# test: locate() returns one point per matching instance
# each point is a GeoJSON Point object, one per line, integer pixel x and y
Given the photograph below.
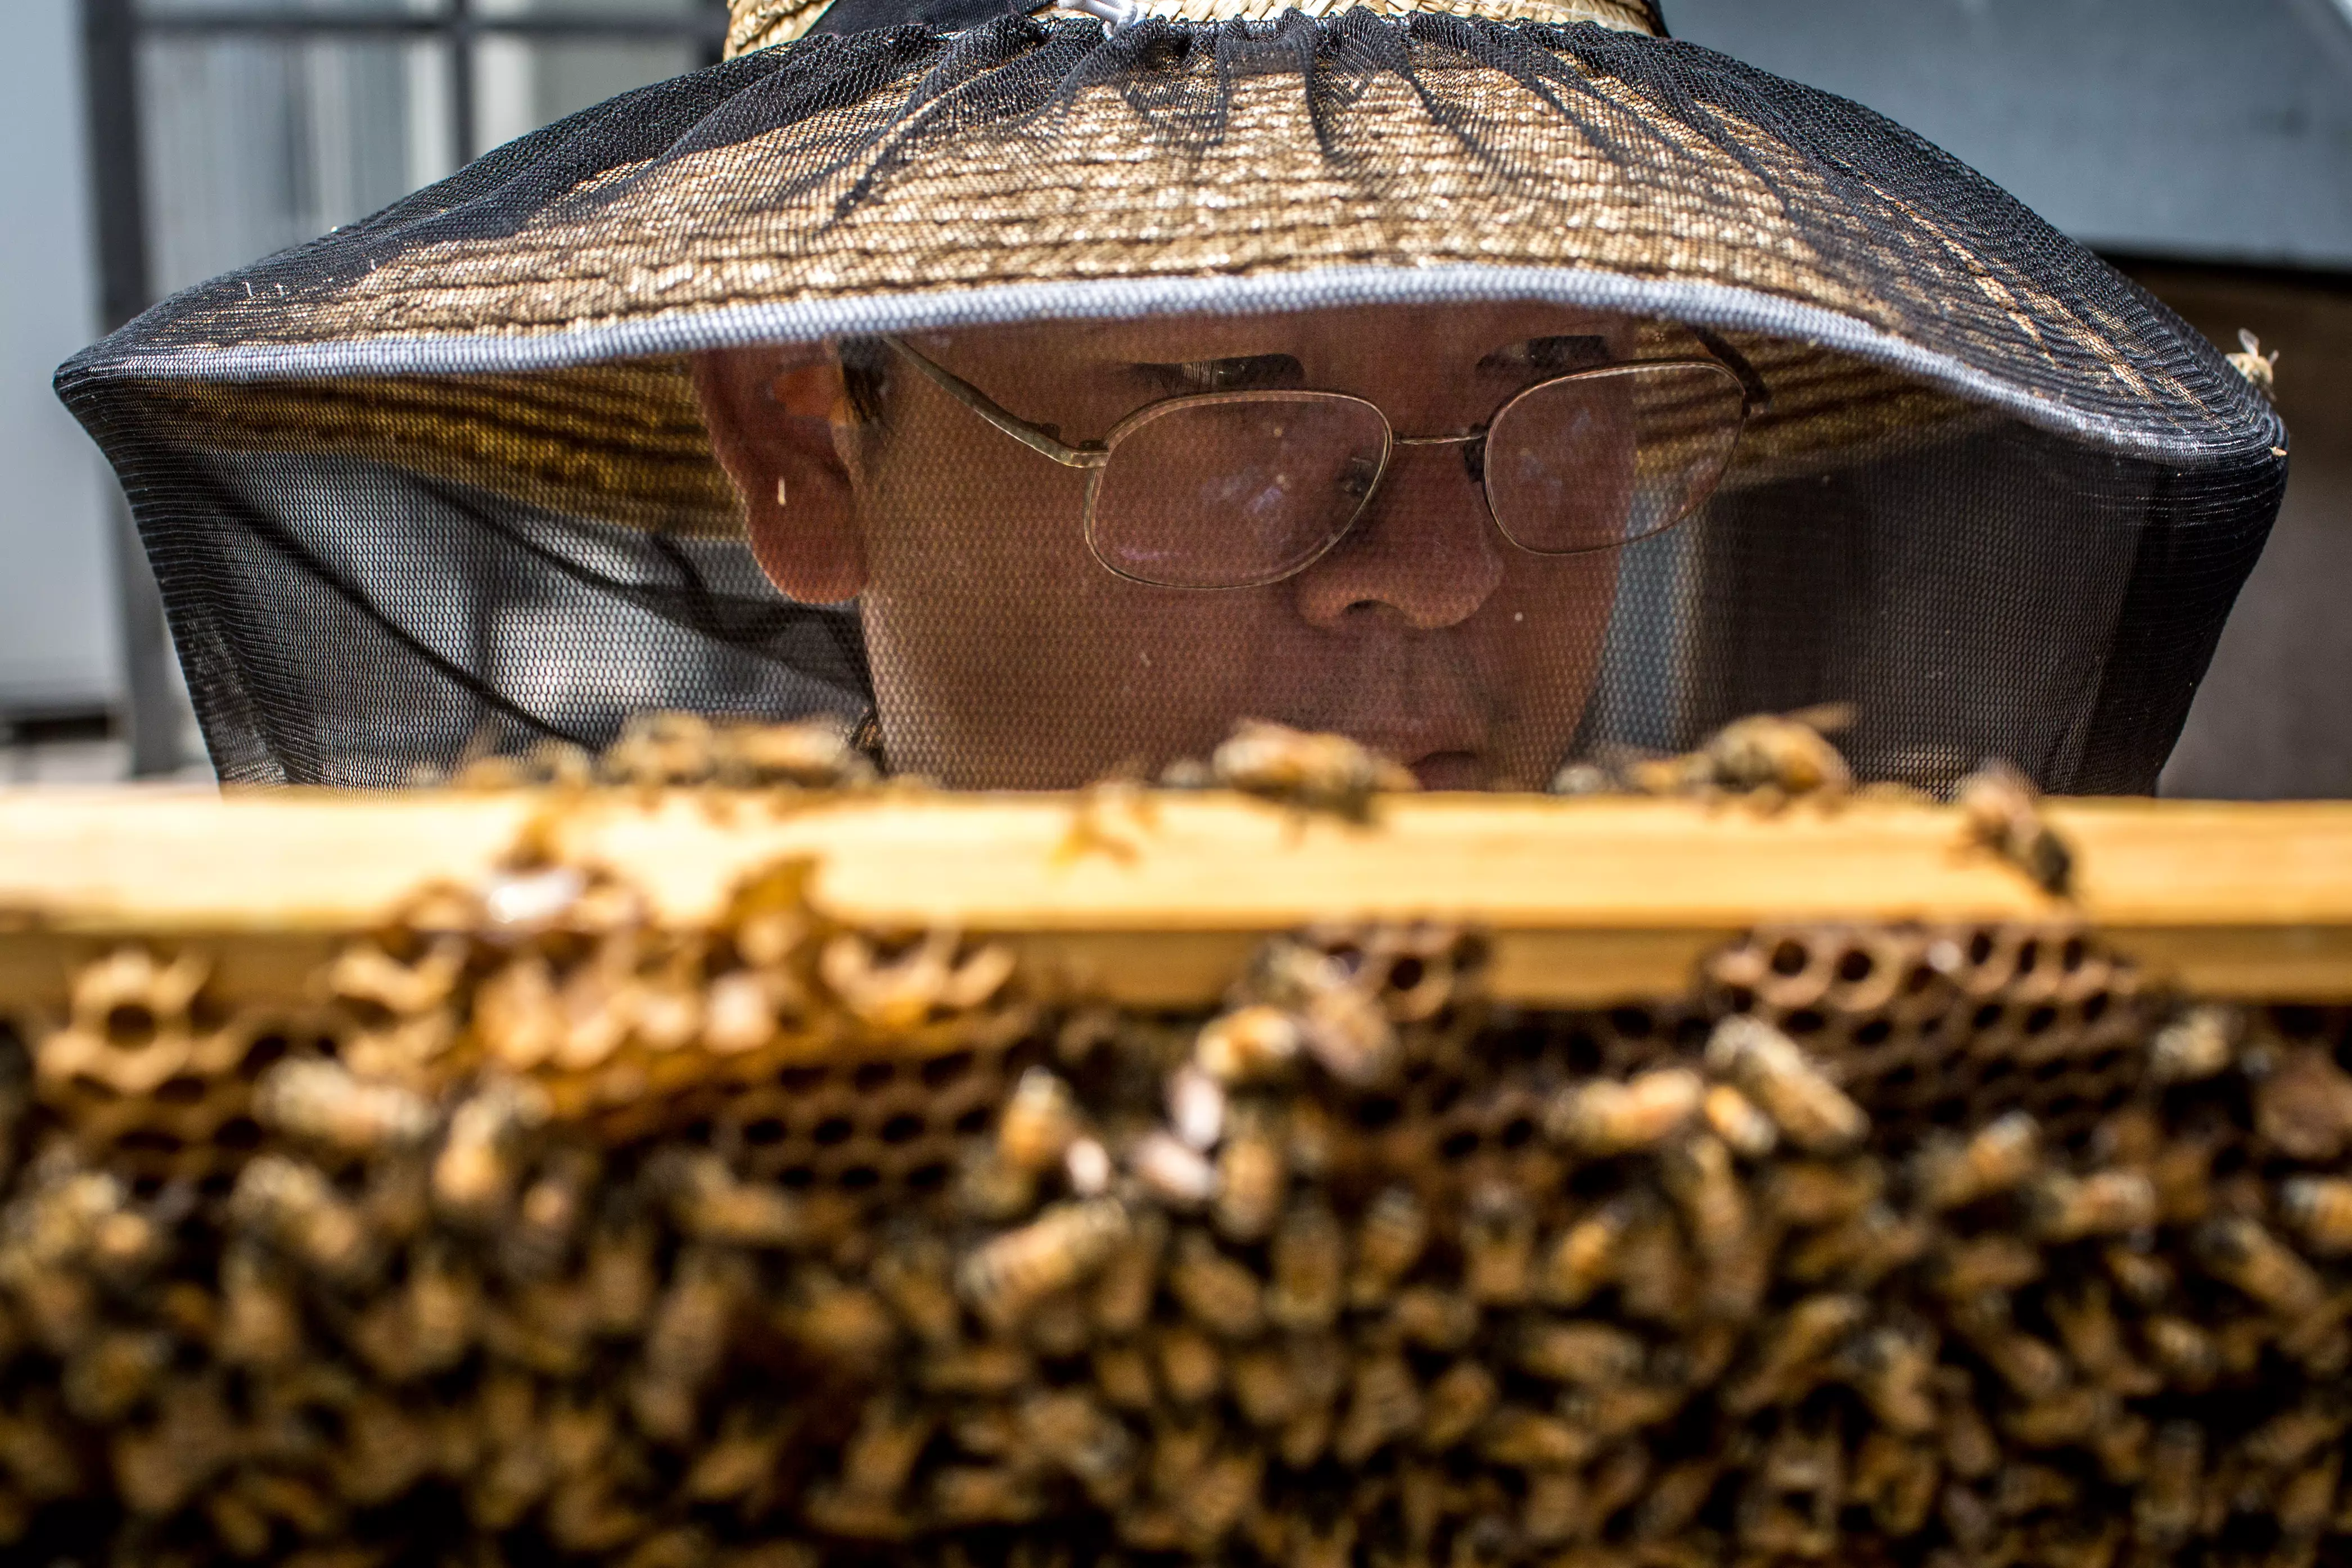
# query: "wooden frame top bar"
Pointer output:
{"type": "Point", "coordinates": [1155, 898]}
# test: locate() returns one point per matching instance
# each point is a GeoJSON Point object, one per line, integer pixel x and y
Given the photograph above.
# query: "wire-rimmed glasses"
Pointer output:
{"type": "Point", "coordinates": [1240, 489]}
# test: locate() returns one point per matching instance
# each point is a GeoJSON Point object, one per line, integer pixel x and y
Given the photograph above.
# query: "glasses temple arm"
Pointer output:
{"type": "Point", "coordinates": [1759, 395]}
{"type": "Point", "coordinates": [981, 404]}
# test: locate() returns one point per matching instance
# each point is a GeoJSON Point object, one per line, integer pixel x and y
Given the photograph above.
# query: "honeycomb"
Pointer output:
{"type": "Point", "coordinates": [539, 1232]}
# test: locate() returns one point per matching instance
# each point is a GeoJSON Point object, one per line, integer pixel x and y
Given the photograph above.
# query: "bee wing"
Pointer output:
{"type": "Point", "coordinates": [2248, 342]}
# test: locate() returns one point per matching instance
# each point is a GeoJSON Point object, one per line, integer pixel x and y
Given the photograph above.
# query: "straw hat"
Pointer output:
{"type": "Point", "coordinates": [523, 331]}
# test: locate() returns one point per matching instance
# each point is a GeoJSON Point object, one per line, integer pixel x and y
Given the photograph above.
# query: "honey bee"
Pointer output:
{"type": "Point", "coordinates": [2306, 1505]}
{"type": "Point", "coordinates": [1894, 1371]}
{"type": "Point", "coordinates": [1676, 1498]}
{"type": "Point", "coordinates": [2086, 1323]}
{"type": "Point", "coordinates": [1785, 754]}
{"type": "Point", "coordinates": [977, 1370]}
{"type": "Point", "coordinates": [880, 1456]}
{"type": "Point", "coordinates": [1175, 1173]}
{"type": "Point", "coordinates": [1266, 1389]}
{"type": "Point", "coordinates": [474, 1175]}
{"type": "Point", "coordinates": [2068, 1417]}
{"type": "Point", "coordinates": [260, 1319]}
{"type": "Point", "coordinates": [1583, 1258]}
{"type": "Point", "coordinates": [1250, 1044]}
{"type": "Point", "coordinates": [2031, 1367]}
{"type": "Point", "coordinates": [2166, 1506]}
{"type": "Point", "coordinates": [1697, 1173]}
{"type": "Point", "coordinates": [1499, 1240]}
{"type": "Point", "coordinates": [710, 1205]}
{"type": "Point", "coordinates": [113, 1371]}
{"type": "Point", "coordinates": [1057, 1250]}
{"type": "Point", "coordinates": [1221, 1495]}
{"type": "Point", "coordinates": [818, 753]}
{"type": "Point", "coordinates": [839, 1324]}
{"type": "Point", "coordinates": [1069, 1431]}
{"type": "Point", "coordinates": [1123, 1374]}
{"type": "Point", "coordinates": [1793, 1347]}
{"type": "Point", "coordinates": [915, 1274]}
{"type": "Point", "coordinates": [1389, 1242]}
{"type": "Point", "coordinates": [2293, 1435]}
{"type": "Point", "coordinates": [1383, 1405]}
{"type": "Point", "coordinates": [1735, 1119]}
{"type": "Point", "coordinates": [2062, 1207]}
{"type": "Point", "coordinates": [2303, 1106]}
{"type": "Point", "coordinates": [985, 1494]}
{"type": "Point", "coordinates": [1601, 1117]}
{"type": "Point", "coordinates": [1319, 1543]}
{"type": "Point", "coordinates": [1191, 1368]}
{"type": "Point", "coordinates": [1808, 1193]}
{"type": "Point", "coordinates": [1971, 1451]}
{"type": "Point", "coordinates": [2144, 1279]}
{"type": "Point", "coordinates": [1458, 1399]}
{"type": "Point", "coordinates": [618, 1279]}
{"type": "Point", "coordinates": [291, 1205]}
{"type": "Point", "coordinates": [1039, 1122]}
{"type": "Point", "coordinates": [1897, 1480]}
{"type": "Point", "coordinates": [1433, 1319]}
{"type": "Point", "coordinates": [1221, 1295]}
{"type": "Point", "coordinates": [2240, 1252]}
{"type": "Point", "coordinates": [2002, 812]}
{"type": "Point", "coordinates": [2199, 1044]}
{"type": "Point", "coordinates": [1253, 1177]}
{"type": "Point", "coordinates": [1965, 1271]}
{"type": "Point", "coordinates": [1522, 1439]}
{"type": "Point", "coordinates": [1773, 1071]}
{"type": "Point", "coordinates": [1860, 1252]}
{"type": "Point", "coordinates": [1309, 1259]}
{"type": "Point", "coordinates": [1123, 1294]}
{"type": "Point", "coordinates": [1313, 772]}
{"type": "Point", "coordinates": [1196, 1104]}
{"type": "Point", "coordinates": [1654, 1278]}
{"type": "Point", "coordinates": [1583, 1352]}
{"type": "Point", "coordinates": [321, 1102]}
{"type": "Point", "coordinates": [1951, 1173]}
{"type": "Point", "coordinates": [2260, 369]}
{"type": "Point", "coordinates": [2181, 1350]}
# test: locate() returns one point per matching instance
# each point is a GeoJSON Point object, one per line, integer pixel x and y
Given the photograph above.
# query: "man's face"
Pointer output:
{"type": "Point", "coordinates": [1006, 654]}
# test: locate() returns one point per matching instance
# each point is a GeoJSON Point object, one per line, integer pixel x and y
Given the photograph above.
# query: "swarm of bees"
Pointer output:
{"type": "Point", "coordinates": [674, 748]}
{"type": "Point", "coordinates": [555, 1234]}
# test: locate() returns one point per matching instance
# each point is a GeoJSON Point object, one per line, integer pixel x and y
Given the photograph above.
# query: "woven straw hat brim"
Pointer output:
{"type": "Point", "coordinates": [1028, 169]}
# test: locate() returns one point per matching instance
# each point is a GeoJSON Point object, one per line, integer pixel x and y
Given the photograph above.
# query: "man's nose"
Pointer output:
{"type": "Point", "coordinates": [1424, 550]}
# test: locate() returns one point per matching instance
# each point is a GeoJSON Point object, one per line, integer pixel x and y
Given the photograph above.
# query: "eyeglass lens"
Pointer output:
{"type": "Point", "coordinates": [1243, 488]}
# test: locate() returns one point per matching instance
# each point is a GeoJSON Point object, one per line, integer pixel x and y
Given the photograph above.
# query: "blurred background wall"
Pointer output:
{"type": "Point", "coordinates": [2206, 148]}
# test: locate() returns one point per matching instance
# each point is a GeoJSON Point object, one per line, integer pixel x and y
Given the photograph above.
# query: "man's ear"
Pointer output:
{"type": "Point", "coordinates": [772, 414]}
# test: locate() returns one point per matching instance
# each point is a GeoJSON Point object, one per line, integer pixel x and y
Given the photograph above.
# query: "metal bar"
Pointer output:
{"type": "Point", "coordinates": [458, 26]}
{"type": "Point", "coordinates": [694, 27]}
{"type": "Point", "coordinates": [153, 715]}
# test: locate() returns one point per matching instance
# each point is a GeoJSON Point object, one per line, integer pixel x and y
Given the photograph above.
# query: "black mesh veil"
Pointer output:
{"type": "Point", "coordinates": [454, 467]}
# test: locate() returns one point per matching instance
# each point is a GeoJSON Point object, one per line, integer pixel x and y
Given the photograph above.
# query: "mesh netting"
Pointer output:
{"type": "Point", "coordinates": [448, 475]}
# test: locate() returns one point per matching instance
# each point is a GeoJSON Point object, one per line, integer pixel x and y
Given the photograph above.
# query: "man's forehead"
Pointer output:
{"type": "Point", "coordinates": [1471, 329]}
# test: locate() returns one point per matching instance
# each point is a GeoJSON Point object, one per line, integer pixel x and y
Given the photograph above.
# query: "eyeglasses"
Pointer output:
{"type": "Point", "coordinates": [1240, 489]}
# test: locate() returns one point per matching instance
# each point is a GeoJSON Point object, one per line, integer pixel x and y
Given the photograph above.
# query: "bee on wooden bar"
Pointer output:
{"type": "Point", "coordinates": [1787, 754]}
{"type": "Point", "coordinates": [1774, 1070]}
{"type": "Point", "coordinates": [2002, 813]}
{"type": "Point", "coordinates": [1601, 1117]}
{"type": "Point", "coordinates": [1314, 772]}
